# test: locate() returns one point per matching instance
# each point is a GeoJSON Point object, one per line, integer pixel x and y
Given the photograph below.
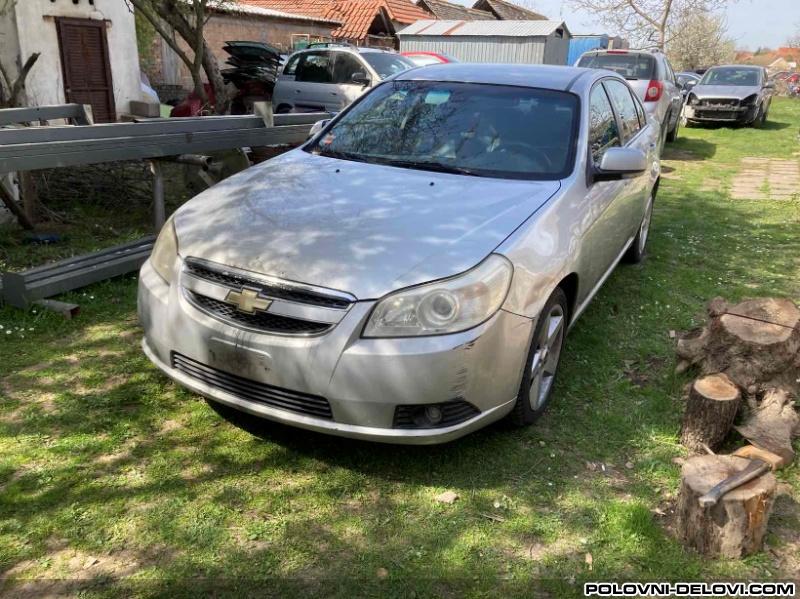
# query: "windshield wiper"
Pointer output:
{"type": "Point", "coordinates": [436, 167]}
{"type": "Point", "coordinates": [339, 154]}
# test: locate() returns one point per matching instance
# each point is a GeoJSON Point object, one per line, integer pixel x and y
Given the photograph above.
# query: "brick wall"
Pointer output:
{"type": "Point", "coordinates": [168, 69]}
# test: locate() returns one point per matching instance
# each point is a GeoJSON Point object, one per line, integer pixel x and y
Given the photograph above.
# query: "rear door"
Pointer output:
{"type": "Point", "coordinates": [86, 66]}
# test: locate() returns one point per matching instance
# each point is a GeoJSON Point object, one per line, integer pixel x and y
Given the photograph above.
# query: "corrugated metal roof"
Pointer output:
{"type": "Point", "coordinates": [485, 28]}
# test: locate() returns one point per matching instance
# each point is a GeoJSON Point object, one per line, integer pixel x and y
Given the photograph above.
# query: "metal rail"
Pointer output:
{"type": "Point", "coordinates": [80, 114]}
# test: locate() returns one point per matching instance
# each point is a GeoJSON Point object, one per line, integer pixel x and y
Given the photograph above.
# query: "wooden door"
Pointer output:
{"type": "Point", "coordinates": [86, 67]}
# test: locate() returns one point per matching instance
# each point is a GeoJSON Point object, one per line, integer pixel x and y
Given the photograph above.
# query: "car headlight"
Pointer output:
{"type": "Point", "coordinates": [447, 306]}
{"type": "Point", "coordinates": [750, 100]}
{"type": "Point", "coordinates": [693, 101]}
{"type": "Point", "coordinates": [165, 251]}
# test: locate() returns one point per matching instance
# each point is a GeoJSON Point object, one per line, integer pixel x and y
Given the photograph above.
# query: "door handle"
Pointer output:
{"type": "Point", "coordinates": [334, 94]}
{"type": "Point", "coordinates": [297, 91]}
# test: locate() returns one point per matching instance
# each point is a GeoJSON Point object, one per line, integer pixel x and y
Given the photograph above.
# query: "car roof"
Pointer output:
{"type": "Point", "coordinates": [622, 52]}
{"type": "Point", "coordinates": [524, 75]}
{"type": "Point", "coordinates": [744, 67]}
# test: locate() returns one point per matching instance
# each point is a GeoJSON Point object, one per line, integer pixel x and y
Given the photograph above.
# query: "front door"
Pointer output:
{"type": "Point", "coordinates": [86, 67]}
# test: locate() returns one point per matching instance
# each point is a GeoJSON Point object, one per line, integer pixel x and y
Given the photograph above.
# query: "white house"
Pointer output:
{"type": "Point", "coordinates": [88, 52]}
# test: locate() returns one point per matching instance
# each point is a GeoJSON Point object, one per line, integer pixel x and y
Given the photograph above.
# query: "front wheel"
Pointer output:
{"type": "Point", "coordinates": [673, 135]}
{"type": "Point", "coordinates": [637, 250]}
{"type": "Point", "coordinates": [761, 118]}
{"type": "Point", "coordinates": [542, 363]}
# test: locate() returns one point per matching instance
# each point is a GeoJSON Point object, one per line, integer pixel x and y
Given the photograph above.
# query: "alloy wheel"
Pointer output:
{"type": "Point", "coordinates": [546, 355]}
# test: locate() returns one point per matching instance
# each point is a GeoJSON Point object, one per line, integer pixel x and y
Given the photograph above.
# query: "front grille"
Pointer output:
{"type": "Point", "coordinates": [260, 321]}
{"type": "Point", "coordinates": [274, 397]}
{"type": "Point", "coordinates": [271, 290]}
{"type": "Point", "coordinates": [720, 103]}
{"type": "Point", "coordinates": [453, 412]}
{"type": "Point", "coordinates": [719, 115]}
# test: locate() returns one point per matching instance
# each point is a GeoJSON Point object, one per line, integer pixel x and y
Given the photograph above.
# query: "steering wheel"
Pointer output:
{"type": "Point", "coordinates": [527, 149]}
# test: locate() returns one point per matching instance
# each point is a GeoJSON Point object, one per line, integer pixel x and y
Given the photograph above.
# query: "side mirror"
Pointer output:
{"type": "Point", "coordinates": [620, 163]}
{"type": "Point", "coordinates": [690, 84]}
{"type": "Point", "coordinates": [317, 127]}
{"type": "Point", "coordinates": [361, 78]}
{"type": "Point", "coordinates": [770, 85]}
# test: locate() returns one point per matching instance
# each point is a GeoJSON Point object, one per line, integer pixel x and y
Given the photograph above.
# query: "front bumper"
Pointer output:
{"type": "Point", "coordinates": [703, 114]}
{"type": "Point", "coordinates": [363, 380]}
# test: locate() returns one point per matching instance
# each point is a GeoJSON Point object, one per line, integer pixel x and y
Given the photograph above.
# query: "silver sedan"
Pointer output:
{"type": "Point", "coordinates": [409, 274]}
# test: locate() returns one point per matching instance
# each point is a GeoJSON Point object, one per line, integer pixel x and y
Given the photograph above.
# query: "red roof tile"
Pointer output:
{"type": "Point", "coordinates": [356, 15]}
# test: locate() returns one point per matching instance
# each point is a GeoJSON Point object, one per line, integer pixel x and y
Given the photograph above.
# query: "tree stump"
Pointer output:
{"type": "Point", "coordinates": [755, 343]}
{"type": "Point", "coordinates": [735, 527]}
{"type": "Point", "coordinates": [710, 411]}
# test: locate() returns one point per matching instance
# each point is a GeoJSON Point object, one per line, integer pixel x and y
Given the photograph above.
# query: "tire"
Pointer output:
{"type": "Point", "coordinates": [673, 135]}
{"type": "Point", "coordinates": [663, 140]}
{"type": "Point", "coordinates": [638, 248]}
{"type": "Point", "coordinates": [283, 109]}
{"type": "Point", "coordinates": [761, 118]}
{"type": "Point", "coordinates": [554, 314]}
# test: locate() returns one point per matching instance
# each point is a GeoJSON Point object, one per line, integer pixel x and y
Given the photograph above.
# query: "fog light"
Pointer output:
{"type": "Point", "coordinates": [433, 414]}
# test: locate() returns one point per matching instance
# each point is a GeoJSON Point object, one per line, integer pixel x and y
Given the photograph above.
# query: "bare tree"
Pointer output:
{"type": "Point", "coordinates": [700, 39]}
{"type": "Point", "coordinates": [645, 22]}
{"type": "Point", "coordinates": [793, 41]}
{"type": "Point", "coordinates": [187, 19]}
{"type": "Point", "coordinates": [12, 77]}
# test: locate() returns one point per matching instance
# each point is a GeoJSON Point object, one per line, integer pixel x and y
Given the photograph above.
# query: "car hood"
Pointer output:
{"type": "Point", "coordinates": [736, 92]}
{"type": "Point", "coordinates": [361, 228]}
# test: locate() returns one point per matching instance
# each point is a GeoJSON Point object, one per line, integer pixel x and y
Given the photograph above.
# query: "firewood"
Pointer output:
{"type": "Point", "coordinates": [710, 411]}
{"type": "Point", "coordinates": [773, 425]}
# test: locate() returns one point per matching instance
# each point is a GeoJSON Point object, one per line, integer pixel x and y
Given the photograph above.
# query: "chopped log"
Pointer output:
{"type": "Point", "coordinates": [710, 411]}
{"type": "Point", "coordinates": [734, 527]}
{"type": "Point", "coordinates": [773, 425]}
{"type": "Point", "coordinates": [692, 345]}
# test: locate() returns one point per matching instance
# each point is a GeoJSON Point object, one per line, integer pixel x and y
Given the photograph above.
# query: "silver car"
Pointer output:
{"type": "Point", "coordinates": [734, 94]}
{"type": "Point", "coordinates": [330, 78]}
{"type": "Point", "coordinates": [650, 74]}
{"type": "Point", "coordinates": [410, 273]}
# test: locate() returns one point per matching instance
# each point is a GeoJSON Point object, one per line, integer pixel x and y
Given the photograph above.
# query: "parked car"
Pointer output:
{"type": "Point", "coordinates": [423, 59]}
{"type": "Point", "coordinates": [650, 74]}
{"type": "Point", "coordinates": [330, 78]}
{"type": "Point", "coordinates": [736, 94]}
{"type": "Point", "coordinates": [410, 273]}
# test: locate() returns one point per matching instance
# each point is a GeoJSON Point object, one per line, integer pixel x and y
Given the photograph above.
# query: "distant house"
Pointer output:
{"type": "Point", "coordinates": [782, 59]}
{"type": "Point", "coordinates": [506, 11]}
{"type": "Point", "coordinates": [522, 42]}
{"type": "Point", "coordinates": [237, 22]}
{"type": "Point", "coordinates": [482, 10]}
{"type": "Point", "coordinates": [88, 53]}
{"type": "Point", "coordinates": [363, 22]}
{"type": "Point", "coordinates": [447, 11]}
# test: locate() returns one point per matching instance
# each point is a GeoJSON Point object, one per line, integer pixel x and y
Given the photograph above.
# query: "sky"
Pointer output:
{"type": "Point", "coordinates": [752, 23]}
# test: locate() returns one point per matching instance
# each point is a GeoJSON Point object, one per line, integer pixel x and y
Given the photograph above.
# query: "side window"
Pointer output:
{"type": "Point", "coordinates": [603, 131]}
{"type": "Point", "coordinates": [291, 66]}
{"type": "Point", "coordinates": [626, 108]}
{"type": "Point", "coordinates": [670, 72]}
{"type": "Point", "coordinates": [345, 65]}
{"type": "Point", "coordinates": [315, 68]}
{"type": "Point", "coordinates": [640, 111]}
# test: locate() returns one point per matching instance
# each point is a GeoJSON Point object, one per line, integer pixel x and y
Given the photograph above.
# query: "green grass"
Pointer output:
{"type": "Point", "coordinates": [102, 458]}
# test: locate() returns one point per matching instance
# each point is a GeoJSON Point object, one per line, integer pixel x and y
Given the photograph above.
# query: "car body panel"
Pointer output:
{"type": "Point", "coordinates": [368, 229]}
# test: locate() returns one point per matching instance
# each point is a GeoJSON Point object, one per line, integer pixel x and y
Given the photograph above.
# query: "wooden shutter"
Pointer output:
{"type": "Point", "coordinates": [86, 66]}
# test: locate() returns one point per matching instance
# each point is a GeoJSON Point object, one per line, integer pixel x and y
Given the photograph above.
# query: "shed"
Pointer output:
{"type": "Point", "coordinates": [584, 43]}
{"type": "Point", "coordinates": [522, 42]}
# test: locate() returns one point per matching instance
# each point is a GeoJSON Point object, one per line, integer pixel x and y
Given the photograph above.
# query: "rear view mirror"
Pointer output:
{"type": "Point", "coordinates": [361, 78]}
{"type": "Point", "coordinates": [317, 127]}
{"type": "Point", "coordinates": [620, 163]}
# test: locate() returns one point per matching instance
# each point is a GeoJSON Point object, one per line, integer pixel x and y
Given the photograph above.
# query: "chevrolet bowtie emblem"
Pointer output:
{"type": "Point", "coordinates": [248, 301]}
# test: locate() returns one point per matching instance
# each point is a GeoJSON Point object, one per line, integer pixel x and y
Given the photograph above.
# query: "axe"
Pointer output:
{"type": "Point", "coordinates": [761, 461]}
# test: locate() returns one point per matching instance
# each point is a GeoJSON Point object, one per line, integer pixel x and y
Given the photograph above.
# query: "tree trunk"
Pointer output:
{"type": "Point", "coordinates": [710, 410]}
{"type": "Point", "coordinates": [773, 425]}
{"type": "Point", "coordinates": [735, 527]}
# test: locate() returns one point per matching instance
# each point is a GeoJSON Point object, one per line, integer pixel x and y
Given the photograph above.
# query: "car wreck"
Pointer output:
{"type": "Point", "coordinates": [730, 94]}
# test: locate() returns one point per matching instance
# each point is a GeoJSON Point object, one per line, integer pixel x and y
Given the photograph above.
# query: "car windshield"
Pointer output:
{"type": "Point", "coordinates": [730, 76]}
{"type": "Point", "coordinates": [630, 66]}
{"type": "Point", "coordinates": [386, 64]}
{"type": "Point", "coordinates": [464, 128]}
